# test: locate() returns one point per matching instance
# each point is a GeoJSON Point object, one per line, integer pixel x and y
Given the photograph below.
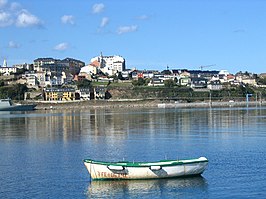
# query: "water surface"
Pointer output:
{"type": "Point", "coordinates": [41, 152]}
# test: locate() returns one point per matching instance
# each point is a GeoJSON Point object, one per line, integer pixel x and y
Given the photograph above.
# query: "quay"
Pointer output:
{"type": "Point", "coordinates": [136, 103]}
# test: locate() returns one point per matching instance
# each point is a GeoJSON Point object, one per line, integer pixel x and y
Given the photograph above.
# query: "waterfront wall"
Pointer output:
{"type": "Point", "coordinates": [212, 104]}
{"type": "Point", "coordinates": [140, 104]}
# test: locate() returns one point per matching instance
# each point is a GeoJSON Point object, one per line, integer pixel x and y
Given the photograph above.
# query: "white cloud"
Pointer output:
{"type": "Point", "coordinates": [127, 29]}
{"type": "Point", "coordinates": [68, 19]}
{"type": "Point", "coordinates": [61, 47]}
{"type": "Point", "coordinates": [3, 3]}
{"type": "Point", "coordinates": [143, 17]}
{"type": "Point", "coordinates": [97, 8]}
{"type": "Point", "coordinates": [12, 44]}
{"type": "Point", "coordinates": [13, 14]}
{"type": "Point", "coordinates": [104, 22]}
{"type": "Point", "coordinates": [15, 6]}
{"type": "Point", "coordinates": [5, 19]}
{"type": "Point", "coordinates": [26, 19]}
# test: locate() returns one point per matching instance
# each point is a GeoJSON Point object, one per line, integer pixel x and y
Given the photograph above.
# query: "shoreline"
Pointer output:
{"type": "Point", "coordinates": [44, 105]}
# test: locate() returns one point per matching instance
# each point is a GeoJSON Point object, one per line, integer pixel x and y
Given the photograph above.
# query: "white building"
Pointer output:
{"type": "Point", "coordinates": [92, 68]}
{"type": "Point", "coordinates": [7, 70]}
{"type": "Point", "coordinates": [110, 65]}
{"type": "Point", "coordinates": [24, 66]}
{"type": "Point", "coordinates": [31, 80]}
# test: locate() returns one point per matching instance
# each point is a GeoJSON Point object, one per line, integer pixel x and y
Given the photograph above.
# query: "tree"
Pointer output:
{"type": "Point", "coordinates": [2, 83]}
{"type": "Point", "coordinates": [13, 92]}
{"type": "Point", "coordinates": [139, 82]}
{"type": "Point", "coordinates": [84, 84]}
{"type": "Point", "coordinates": [169, 83]}
{"type": "Point", "coordinates": [120, 76]}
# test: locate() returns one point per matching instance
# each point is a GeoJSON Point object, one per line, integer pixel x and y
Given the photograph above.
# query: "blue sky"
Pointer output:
{"type": "Point", "coordinates": [149, 34]}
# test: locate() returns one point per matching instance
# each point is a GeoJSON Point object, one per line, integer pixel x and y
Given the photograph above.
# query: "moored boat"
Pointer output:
{"type": "Point", "coordinates": [145, 170]}
{"type": "Point", "coordinates": [7, 105]}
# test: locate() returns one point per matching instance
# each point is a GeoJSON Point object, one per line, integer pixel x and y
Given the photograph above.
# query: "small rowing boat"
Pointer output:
{"type": "Point", "coordinates": [145, 170]}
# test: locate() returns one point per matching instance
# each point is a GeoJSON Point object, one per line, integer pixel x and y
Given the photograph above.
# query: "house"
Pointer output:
{"type": "Point", "coordinates": [105, 79]}
{"type": "Point", "coordinates": [126, 74]}
{"type": "Point", "coordinates": [59, 94]}
{"type": "Point", "coordinates": [184, 81]}
{"type": "Point", "coordinates": [215, 85]}
{"type": "Point", "coordinates": [24, 66]}
{"type": "Point", "coordinates": [92, 68]}
{"type": "Point", "coordinates": [246, 78]}
{"type": "Point", "coordinates": [7, 70]}
{"type": "Point", "coordinates": [156, 82]}
{"type": "Point", "coordinates": [250, 81]}
{"type": "Point", "coordinates": [56, 80]}
{"type": "Point", "coordinates": [83, 94]}
{"type": "Point", "coordinates": [203, 74]}
{"type": "Point", "coordinates": [198, 83]}
{"type": "Point", "coordinates": [148, 74]}
{"type": "Point", "coordinates": [137, 74]}
{"type": "Point", "coordinates": [99, 92]}
{"type": "Point", "coordinates": [67, 77]}
{"type": "Point", "coordinates": [31, 80]}
{"type": "Point", "coordinates": [262, 75]}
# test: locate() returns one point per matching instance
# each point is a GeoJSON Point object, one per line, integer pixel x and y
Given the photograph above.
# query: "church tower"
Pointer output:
{"type": "Point", "coordinates": [5, 63]}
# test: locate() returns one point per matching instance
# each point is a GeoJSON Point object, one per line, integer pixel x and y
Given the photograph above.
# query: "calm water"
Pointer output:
{"type": "Point", "coordinates": [41, 152]}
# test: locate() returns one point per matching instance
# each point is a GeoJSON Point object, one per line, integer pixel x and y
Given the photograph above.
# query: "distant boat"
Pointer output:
{"type": "Point", "coordinates": [7, 105]}
{"type": "Point", "coordinates": [145, 170]}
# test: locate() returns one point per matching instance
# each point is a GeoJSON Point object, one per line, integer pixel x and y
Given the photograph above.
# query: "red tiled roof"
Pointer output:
{"type": "Point", "coordinates": [95, 63]}
{"type": "Point", "coordinates": [230, 76]}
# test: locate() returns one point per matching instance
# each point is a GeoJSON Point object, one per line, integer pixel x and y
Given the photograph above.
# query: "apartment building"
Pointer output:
{"type": "Point", "coordinates": [110, 65]}
{"type": "Point", "coordinates": [58, 66]}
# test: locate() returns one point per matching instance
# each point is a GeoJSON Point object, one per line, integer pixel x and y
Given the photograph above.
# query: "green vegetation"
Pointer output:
{"type": "Point", "coordinates": [170, 91]}
{"type": "Point", "coordinates": [83, 84]}
{"type": "Point", "coordinates": [261, 81]}
{"type": "Point", "coordinates": [169, 83]}
{"type": "Point", "coordinates": [15, 92]}
{"type": "Point", "coordinates": [140, 82]}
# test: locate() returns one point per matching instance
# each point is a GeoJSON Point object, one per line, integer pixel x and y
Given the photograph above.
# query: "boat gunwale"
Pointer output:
{"type": "Point", "coordinates": [161, 163]}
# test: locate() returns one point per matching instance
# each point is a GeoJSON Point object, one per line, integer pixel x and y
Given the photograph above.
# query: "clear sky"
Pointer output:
{"type": "Point", "coordinates": [149, 34]}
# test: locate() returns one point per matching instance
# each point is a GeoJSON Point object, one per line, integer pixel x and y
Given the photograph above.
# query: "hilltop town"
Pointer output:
{"type": "Point", "coordinates": [107, 78]}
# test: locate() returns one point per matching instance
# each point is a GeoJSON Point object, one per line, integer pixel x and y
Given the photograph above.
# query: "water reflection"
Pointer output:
{"type": "Point", "coordinates": [135, 188]}
{"type": "Point", "coordinates": [114, 123]}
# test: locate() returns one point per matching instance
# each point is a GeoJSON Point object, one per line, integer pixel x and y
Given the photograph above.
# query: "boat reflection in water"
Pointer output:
{"type": "Point", "coordinates": [139, 188]}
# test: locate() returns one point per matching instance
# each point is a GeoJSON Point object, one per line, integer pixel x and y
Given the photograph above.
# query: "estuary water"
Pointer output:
{"type": "Point", "coordinates": [41, 152]}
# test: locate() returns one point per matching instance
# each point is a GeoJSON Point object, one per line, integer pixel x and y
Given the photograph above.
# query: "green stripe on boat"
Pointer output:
{"type": "Point", "coordinates": [148, 164]}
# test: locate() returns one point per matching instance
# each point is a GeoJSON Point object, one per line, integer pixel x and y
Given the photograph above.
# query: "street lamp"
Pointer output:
{"type": "Point", "coordinates": [247, 94]}
{"type": "Point", "coordinates": [247, 98]}
{"type": "Point", "coordinates": [210, 99]}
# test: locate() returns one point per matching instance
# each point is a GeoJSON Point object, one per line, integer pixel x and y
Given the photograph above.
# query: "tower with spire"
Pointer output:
{"type": "Point", "coordinates": [5, 63]}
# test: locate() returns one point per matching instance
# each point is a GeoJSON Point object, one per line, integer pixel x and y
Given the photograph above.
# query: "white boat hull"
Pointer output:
{"type": "Point", "coordinates": [102, 172]}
